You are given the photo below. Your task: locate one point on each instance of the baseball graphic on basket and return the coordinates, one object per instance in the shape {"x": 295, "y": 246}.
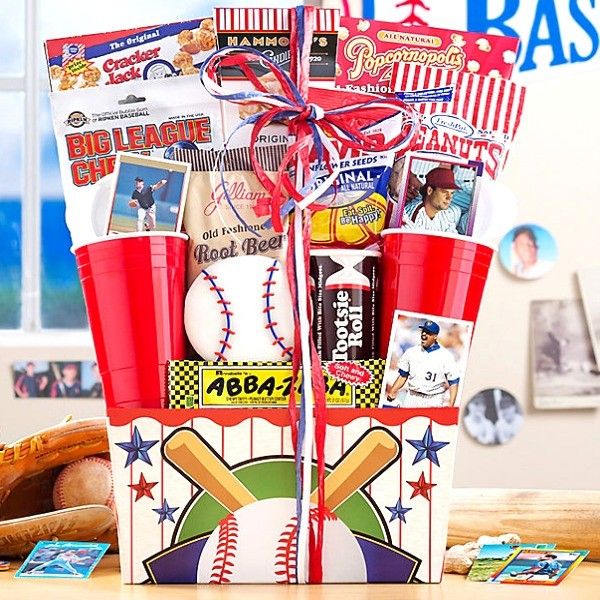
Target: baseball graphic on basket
{"x": 239, "y": 309}
{"x": 257, "y": 540}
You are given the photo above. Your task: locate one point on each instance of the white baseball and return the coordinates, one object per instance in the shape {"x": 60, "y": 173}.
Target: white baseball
{"x": 257, "y": 544}
{"x": 239, "y": 309}
{"x": 86, "y": 481}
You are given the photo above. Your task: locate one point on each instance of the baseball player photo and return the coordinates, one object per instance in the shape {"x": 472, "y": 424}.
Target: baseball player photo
{"x": 493, "y": 416}
{"x": 528, "y": 251}
{"x": 437, "y": 196}
{"x": 149, "y": 194}
{"x": 421, "y": 370}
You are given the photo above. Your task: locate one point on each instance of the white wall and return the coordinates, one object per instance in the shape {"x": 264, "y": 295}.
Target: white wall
{"x": 553, "y": 169}
{"x": 22, "y": 417}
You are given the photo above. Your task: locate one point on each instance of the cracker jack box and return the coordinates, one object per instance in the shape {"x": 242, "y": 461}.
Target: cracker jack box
{"x": 130, "y": 54}
{"x": 208, "y": 496}
{"x": 368, "y": 50}
{"x": 200, "y": 384}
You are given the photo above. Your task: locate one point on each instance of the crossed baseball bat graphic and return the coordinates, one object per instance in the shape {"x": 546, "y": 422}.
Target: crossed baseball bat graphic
{"x": 192, "y": 456}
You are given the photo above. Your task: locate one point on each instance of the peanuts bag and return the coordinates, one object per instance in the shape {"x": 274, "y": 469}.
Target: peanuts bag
{"x": 148, "y": 117}
{"x": 226, "y": 214}
{"x": 476, "y": 120}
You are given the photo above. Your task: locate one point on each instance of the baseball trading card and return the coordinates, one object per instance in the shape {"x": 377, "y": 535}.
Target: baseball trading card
{"x": 589, "y": 284}
{"x": 492, "y": 557}
{"x": 563, "y": 366}
{"x": 426, "y": 361}
{"x": 538, "y": 567}
{"x": 149, "y": 194}
{"x": 431, "y": 195}
{"x": 62, "y": 560}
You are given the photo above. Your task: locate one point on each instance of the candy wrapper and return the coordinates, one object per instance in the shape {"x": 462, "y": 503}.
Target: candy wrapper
{"x": 368, "y": 50}
{"x": 130, "y": 54}
{"x": 91, "y": 126}
{"x": 227, "y": 208}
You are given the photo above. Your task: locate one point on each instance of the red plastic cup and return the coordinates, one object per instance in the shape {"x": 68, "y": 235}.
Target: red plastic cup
{"x": 431, "y": 274}
{"x": 134, "y": 287}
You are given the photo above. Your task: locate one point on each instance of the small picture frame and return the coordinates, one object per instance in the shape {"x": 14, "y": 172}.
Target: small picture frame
{"x": 426, "y": 361}
{"x": 62, "y": 560}
{"x": 56, "y": 379}
{"x": 436, "y": 195}
{"x": 148, "y": 194}
{"x": 563, "y": 366}
{"x": 493, "y": 416}
{"x": 589, "y": 285}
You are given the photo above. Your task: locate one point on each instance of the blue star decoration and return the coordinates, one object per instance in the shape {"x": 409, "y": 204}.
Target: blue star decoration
{"x": 165, "y": 512}
{"x": 427, "y": 448}
{"x": 137, "y": 448}
{"x": 398, "y": 511}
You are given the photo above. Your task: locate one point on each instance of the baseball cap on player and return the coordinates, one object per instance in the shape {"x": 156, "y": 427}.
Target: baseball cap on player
{"x": 441, "y": 178}
{"x": 430, "y": 327}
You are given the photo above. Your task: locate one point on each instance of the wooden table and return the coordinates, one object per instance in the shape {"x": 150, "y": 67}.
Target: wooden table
{"x": 104, "y": 584}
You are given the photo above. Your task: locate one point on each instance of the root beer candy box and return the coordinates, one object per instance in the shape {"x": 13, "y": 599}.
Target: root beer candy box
{"x": 367, "y": 51}
{"x": 227, "y": 208}
{"x": 149, "y": 117}
{"x": 129, "y": 54}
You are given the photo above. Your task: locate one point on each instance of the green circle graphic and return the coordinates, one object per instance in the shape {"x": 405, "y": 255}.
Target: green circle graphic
{"x": 275, "y": 478}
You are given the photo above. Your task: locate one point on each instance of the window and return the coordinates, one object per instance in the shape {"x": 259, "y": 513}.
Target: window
{"x": 39, "y": 287}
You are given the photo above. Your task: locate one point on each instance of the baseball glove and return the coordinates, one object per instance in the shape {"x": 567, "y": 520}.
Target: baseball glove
{"x": 133, "y": 204}
{"x": 28, "y": 469}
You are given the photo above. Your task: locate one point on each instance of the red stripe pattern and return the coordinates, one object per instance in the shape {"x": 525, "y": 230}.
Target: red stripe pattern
{"x": 276, "y": 20}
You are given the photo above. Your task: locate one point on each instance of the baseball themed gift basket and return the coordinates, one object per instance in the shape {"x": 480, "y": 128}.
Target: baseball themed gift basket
{"x": 282, "y": 274}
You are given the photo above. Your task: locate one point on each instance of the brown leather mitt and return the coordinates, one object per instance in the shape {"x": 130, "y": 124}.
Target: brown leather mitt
{"x": 28, "y": 469}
